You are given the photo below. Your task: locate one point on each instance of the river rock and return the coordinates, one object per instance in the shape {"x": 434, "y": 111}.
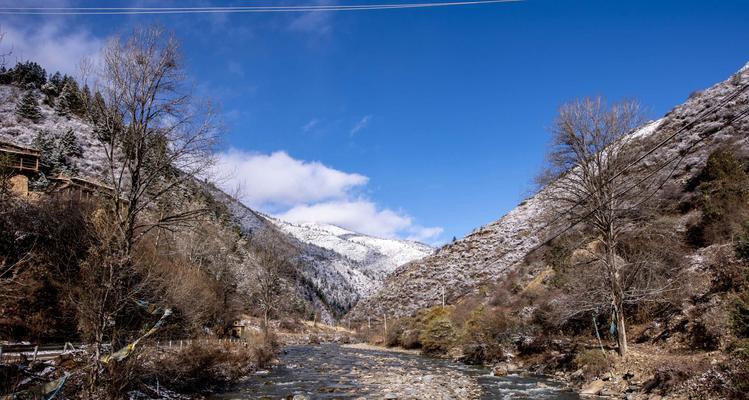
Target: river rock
{"x": 503, "y": 369}
{"x": 593, "y": 388}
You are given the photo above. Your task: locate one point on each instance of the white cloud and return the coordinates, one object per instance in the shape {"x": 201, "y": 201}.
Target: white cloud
{"x": 363, "y": 123}
{"x": 276, "y": 180}
{"x": 302, "y": 191}
{"x": 310, "y": 125}
{"x": 422, "y": 234}
{"x": 357, "y": 215}
{"x": 53, "y": 45}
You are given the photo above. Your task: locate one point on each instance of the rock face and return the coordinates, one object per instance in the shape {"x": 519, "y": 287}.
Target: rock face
{"x": 492, "y": 251}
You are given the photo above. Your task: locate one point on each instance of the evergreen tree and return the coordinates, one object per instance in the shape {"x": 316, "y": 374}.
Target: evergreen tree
{"x": 58, "y": 150}
{"x": 102, "y": 119}
{"x": 85, "y": 100}
{"x": 50, "y": 92}
{"x": 28, "y": 107}
{"x": 57, "y": 80}
{"x": 39, "y": 183}
{"x": 69, "y": 145}
{"x": 5, "y": 77}
{"x": 70, "y": 102}
{"x": 27, "y": 74}
{"x": 44, "y": 142}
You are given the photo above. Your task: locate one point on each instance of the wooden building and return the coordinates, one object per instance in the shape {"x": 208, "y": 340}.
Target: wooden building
{"x": 237, "y": 328}
{"x": 21, "y": 162}
{"x": 78, "y": 189}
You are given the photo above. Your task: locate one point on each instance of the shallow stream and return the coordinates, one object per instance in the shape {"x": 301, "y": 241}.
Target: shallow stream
{"x": 331, "y": 371}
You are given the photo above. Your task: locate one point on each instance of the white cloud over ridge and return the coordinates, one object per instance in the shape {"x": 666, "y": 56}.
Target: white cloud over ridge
{"x": 302, "y": 191}
{"x": 278, "y": 180}
{"x": 52, "y": 45}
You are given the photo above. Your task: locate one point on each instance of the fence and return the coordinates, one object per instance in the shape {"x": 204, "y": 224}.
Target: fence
{"x": 17, "y": 352}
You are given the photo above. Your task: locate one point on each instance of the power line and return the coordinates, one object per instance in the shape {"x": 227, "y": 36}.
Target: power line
{"x": 236, "y": 9}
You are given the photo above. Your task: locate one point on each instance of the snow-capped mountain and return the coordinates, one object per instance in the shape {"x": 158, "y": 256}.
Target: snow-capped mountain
{"x": 500, "y": 247}
{"x": 370, "y": 259}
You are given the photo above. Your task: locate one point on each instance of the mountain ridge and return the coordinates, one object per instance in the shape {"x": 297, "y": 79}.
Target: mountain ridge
{"x": 494, "y": 250}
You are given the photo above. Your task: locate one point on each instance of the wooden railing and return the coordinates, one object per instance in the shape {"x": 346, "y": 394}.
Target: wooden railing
{"x": 22, "y": 163}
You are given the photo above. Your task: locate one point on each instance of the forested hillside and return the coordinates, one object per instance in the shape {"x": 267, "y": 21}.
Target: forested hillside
{"x": 332, "y": 276}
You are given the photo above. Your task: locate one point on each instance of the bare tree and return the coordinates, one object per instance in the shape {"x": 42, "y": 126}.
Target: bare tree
{"x": 269, "y": 277}
{"x": 155, "y": 136}
{"x": 6, "y": 54}
{"x": 589, "y": 159}
{"x": 157, "y": 141}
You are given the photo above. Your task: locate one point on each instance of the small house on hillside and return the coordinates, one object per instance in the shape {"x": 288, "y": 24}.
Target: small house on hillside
{"x": 78, "y": 189}
{"x": 237, "y": 328}
{"x": 22, "y": 162}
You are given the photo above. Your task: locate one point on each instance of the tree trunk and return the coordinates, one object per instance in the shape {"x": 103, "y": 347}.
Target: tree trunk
{"x": 265, "y": 324}
{"x": 621, "y": 330}
{"x": 618, "y": 298}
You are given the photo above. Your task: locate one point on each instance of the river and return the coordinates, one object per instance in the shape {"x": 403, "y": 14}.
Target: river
{"x": 331, "y": 371}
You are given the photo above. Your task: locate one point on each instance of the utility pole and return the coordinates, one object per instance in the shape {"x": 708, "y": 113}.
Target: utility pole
{"x": 385, "y": 318}
{"x": 443, "y": 296}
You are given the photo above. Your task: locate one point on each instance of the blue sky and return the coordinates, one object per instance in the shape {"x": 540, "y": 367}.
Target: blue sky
{"x": 413, "y": 123}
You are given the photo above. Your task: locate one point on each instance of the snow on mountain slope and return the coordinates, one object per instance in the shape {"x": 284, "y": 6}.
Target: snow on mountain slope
{"x": 21, "y": 131}
{"x": 492, "y": 251}
{"x": 376, "y": 256}
{"x": 363, "y": 261}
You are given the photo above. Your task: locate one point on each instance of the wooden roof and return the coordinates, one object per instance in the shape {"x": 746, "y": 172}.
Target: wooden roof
{"x": 7, "y": 147}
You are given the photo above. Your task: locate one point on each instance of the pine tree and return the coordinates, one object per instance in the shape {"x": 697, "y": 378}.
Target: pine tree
{"x": 69, "y": 145}
{"x": 58, "y": 150}
{"x": 27, "y": 74}
{"x": 100, "y": 118}
{"x": 50, "y": 92}
{"x": 70, "y": 100}
{"x": 44, "y": 142}
{"x": 57, "y": 80}
{"x": 28, "y": 107}
{"x": 85, "y": 100}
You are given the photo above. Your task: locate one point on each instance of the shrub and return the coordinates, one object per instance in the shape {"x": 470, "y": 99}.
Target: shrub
{"x": 263, "y": 349}
{"x": 438, "y": 334}
{"x": 708, "y": 331}
{"x": 198, "y": 366}
{"x": 393, "y": 333}
{"x": 290, "y": 325}
{"x": 740, "y": 315}
{"x": 486, "y": 335}
{"x": 593, "y": 363}
{"x": 723, "y": 191}
{"x": 410, "y": 339}
{"x": 729, "y": 273}
{"x": 738, "y": 370}
{"x": 741, "y": 244}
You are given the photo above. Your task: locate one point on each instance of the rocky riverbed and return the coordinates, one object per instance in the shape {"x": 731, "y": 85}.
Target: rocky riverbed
{"x": 331, "y": 371}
